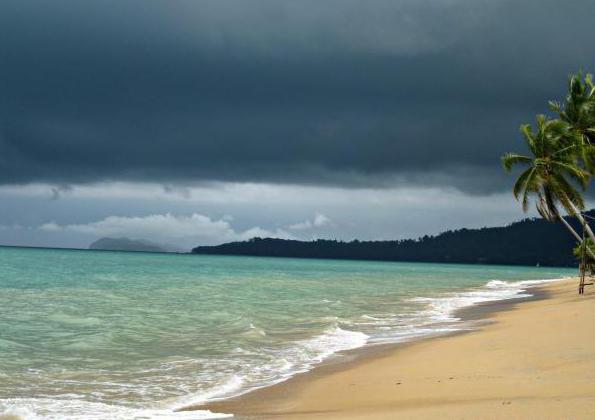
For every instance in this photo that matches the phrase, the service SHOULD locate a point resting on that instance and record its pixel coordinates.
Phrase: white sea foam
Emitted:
(295, 358)
(438, 315)
(73, 409)
(231, 387)
(444, 308)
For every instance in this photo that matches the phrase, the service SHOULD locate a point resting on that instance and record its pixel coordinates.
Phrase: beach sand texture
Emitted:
(534, 361)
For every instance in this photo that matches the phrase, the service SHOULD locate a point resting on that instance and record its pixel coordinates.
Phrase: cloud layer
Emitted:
(340, 92)
(237, 211)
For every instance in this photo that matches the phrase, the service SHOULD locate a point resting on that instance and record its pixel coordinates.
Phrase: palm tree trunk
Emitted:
(570, 228)
(583, 268)
(580, 217)
(576, 235)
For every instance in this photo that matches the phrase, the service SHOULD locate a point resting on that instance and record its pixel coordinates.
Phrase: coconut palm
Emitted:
(578, 111)
(552, 174)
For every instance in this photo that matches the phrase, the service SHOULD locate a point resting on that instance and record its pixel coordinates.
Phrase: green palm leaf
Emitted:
(511, 159)
(553, 175)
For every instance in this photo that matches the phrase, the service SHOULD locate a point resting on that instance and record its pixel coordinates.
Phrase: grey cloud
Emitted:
(363, 214)
(340, 92)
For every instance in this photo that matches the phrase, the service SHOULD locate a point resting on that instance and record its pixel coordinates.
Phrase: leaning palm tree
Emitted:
(551, 173)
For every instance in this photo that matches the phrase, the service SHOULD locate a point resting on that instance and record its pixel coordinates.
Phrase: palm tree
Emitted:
(578, 111)
(551, 172)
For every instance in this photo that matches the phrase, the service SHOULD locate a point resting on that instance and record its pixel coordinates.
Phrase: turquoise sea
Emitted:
(112, 335)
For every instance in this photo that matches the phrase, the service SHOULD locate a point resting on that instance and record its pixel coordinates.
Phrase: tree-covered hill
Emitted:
(528, 242)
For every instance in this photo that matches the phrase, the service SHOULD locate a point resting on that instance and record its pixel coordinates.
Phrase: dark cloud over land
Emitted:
(337, 92)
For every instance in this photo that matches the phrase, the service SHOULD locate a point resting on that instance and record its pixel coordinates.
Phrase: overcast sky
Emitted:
(199, 122)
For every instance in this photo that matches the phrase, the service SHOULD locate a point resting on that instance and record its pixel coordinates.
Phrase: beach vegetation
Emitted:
(580, 250)
(551, 172)
(560, 160)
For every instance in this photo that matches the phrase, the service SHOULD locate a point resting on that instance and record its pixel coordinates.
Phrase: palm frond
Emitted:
(555, 106)
(511, 159)
(527, 131)
(575, 172)
(525, 184)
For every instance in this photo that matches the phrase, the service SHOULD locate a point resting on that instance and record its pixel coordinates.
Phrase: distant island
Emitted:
(527, 242)
(126, 244)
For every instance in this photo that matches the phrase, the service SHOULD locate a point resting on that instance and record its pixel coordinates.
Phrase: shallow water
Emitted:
(110, 335)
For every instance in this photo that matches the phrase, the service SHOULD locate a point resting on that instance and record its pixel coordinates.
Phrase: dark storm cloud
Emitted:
(338, 92)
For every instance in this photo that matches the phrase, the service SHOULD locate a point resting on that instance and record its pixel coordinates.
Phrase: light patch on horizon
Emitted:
(319, 220)
(175, 230)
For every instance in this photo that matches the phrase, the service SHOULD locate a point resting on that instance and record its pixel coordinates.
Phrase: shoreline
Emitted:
(464, 319)
(461, 320)
(294, 397)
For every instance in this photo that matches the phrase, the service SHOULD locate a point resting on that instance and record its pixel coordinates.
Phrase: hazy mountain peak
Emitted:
(127, 244)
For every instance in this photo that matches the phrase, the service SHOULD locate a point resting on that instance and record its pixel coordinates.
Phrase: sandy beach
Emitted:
(530, 359)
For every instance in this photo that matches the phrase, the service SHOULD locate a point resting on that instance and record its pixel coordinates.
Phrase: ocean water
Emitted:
(110, 335)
